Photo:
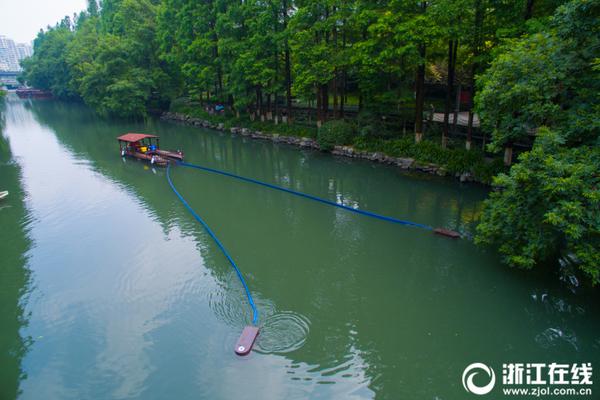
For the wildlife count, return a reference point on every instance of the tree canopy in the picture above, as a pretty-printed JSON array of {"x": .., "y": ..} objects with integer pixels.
[
  {"x": 533, "y": 66},
  {"x": 124, "y": 56},
  {"x": 547, "y": 83}
]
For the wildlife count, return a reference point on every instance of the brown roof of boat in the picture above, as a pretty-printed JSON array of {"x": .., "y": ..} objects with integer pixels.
[{"x": 134, "y": 137}]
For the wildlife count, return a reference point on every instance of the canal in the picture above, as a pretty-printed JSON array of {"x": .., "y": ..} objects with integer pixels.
[{"x": 110, "y": 289}]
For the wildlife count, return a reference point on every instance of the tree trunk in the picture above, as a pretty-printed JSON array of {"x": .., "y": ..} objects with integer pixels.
[
  {"x": 288, "y": 67},
  {"x": 343, "y": 77},
  {"x": 420, "y": 87},
  {"x": 508, "y": 153},
  {"x": 335, "y": 71},
  {"x": 335, "y": 97},
  {"x": 449, "y": 88},
  {"x": 215, "y": 54},
  {"x": 319, "y": 107},
  {"x": 469, "y": 141},
  {"x": 269, "y": 112},
  {"x": 257, "y": 101},
  {"x": 479, "y": 16},
  {"x": 420, "y": 95},
  {"x": 471, "y": 97},
  {"x": 529, "y": 10},
  {"x": 325, "y": 101},
  {"x": 343, "y": 94},
  {"x": 456, "y": 109}
]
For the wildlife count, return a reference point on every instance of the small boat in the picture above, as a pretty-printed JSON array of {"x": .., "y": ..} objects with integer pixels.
[
  {"x": 3, "y": 194},
  {"x": 30, "y": 93},
  {"x": 146, "y": 147}
]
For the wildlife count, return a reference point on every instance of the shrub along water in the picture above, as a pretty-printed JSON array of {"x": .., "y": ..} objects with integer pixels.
[
  {"x": 336, "y": 132},
  {"x": 362, "y": 135}
]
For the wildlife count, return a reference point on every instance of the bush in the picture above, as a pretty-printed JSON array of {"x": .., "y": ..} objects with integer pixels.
[
  {"x": 336, "y": 132},
  {"x": 456, "y": 161},
  {"x": 547, "y": 207},
  {"x": 370, "y": 125}
]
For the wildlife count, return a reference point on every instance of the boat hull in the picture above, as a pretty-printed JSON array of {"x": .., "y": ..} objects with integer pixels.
[
  {"x": 33, "y": 94},
  {"x": 170, "y": 154},
  {"x": 152, "y": 159}
]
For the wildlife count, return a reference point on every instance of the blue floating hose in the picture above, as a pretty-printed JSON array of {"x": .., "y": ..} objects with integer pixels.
[
  {"x": 211, "y": 233},
  {"x": 308, "y": 196}
]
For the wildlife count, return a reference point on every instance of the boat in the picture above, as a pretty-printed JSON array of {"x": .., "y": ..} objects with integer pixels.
[
  {"x": 29, "y": 93},
  {"x": 147, "y": 147},
  {"x": 3, "y": 194}
]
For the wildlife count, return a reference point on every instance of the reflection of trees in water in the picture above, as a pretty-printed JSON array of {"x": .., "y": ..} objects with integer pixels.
[
  {"x": 14, "y": 276},
  {"x": 334, "y": 276}
]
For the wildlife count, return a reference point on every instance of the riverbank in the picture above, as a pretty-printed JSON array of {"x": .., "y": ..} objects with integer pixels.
[{"x": 460, "y": 164}]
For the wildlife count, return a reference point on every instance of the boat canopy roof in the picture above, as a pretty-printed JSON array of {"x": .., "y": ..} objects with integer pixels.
[{"x": 135, "y": 137}]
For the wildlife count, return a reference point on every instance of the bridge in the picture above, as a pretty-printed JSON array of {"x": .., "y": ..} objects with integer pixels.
[{"x": 9, "y": 79}]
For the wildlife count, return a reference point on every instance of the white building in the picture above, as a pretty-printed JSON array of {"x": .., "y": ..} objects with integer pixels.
[{"x": 11, "y": 53}]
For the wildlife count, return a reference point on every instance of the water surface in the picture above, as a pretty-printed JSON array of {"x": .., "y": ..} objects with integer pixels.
[{"x": 110, "y": 289}]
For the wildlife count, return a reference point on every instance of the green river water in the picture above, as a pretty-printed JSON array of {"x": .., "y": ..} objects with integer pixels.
[{"x": 109, "y": 289}]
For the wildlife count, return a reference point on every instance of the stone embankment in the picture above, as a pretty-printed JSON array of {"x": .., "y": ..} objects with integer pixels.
[{"x": 345, "y": 151}]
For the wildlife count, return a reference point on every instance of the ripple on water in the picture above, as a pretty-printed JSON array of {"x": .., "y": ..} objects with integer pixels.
[
  {"x": 283, "y": 332},
  {"x": 553, "y": 337},
  {"x": 229, "y": 302},
  {"x": 229, "y": 307}
]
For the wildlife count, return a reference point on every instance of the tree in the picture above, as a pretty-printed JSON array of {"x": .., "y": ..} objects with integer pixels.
[
  {"x": 450, "y": 15},
  {"x": 47, "y": 68},
  {"x": 547, "y": 207},
  {"x": 390, "y": 54},
  {"x": 188, "y": 39},
  {"x": 546, "y": 78},
  {"x": 312, "y": 47},
  {"x": 114, "y": 62}
]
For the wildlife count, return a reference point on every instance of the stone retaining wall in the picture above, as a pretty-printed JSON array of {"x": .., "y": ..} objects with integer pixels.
[{"x": 344, "y": 151}]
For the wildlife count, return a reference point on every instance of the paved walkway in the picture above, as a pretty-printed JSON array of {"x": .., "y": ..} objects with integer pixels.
[{"x": 463, "y": 118}]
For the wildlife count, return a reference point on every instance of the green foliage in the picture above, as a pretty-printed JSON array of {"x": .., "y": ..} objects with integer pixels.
[
  {"x": 536, "y": 67},
  {"x": 546, "y": 79},
  {"x": 107, "y": 58},
  {"x": 455, "y": 161},
  {"x": 547, "y": 206},
  {"x": 125, "y": 56},
  {"x": 195, "y": 110},
  {"x": 47, "y": 69},
  {"x": 370, "y": 125},
  {"x": 336, "y": 132}
]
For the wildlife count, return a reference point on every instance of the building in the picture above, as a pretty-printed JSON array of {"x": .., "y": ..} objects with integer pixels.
[{"x": 11, "y": 53}]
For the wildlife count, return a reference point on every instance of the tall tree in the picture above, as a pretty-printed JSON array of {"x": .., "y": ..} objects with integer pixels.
[
  {"x": 47, "y": 68},
  {"x": 548, "y": 206}
]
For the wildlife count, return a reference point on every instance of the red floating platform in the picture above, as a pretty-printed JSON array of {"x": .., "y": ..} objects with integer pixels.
[
  {"x": 447, "y": 232},
  {"x": 246, "y": 340}
]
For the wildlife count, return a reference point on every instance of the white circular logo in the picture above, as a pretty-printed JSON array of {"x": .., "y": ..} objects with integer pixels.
[{"x": 469, "y": 374}]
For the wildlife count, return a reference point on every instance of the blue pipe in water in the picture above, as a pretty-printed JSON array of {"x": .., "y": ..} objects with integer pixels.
[
  {"x": 309, "y": 196},
  {"x": 223, "y": 249}
]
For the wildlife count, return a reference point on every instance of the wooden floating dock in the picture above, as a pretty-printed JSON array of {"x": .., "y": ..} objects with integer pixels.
[
  {"x": 246, "y": 341},
  {"x": 446, "y": 232}
]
